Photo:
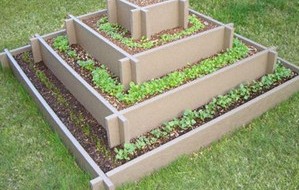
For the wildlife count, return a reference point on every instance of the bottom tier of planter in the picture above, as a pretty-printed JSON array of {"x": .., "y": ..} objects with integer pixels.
[{"x": 87, "y": 140}]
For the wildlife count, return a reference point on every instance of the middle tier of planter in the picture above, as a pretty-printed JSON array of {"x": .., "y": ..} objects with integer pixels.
[
  {"x": 121, "y": 126},
  {"x": 151, "y": 63}
]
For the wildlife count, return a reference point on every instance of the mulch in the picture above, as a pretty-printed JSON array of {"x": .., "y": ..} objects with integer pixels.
[{"x": 105, "y": 160}]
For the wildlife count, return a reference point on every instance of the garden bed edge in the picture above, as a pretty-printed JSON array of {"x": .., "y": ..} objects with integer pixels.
[{"x": 81, "y": 156}]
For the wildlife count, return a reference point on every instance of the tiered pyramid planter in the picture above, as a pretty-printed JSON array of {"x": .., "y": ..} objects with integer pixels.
[{"x": 123, "y": 125}]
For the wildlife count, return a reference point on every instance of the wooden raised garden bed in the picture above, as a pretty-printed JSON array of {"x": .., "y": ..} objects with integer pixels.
[{"x": 129, "y": 125}]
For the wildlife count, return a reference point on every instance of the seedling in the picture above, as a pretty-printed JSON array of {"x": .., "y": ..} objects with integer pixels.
[
  {"x": 61, "y": 43},
  {"x": 88, "y": 64}
]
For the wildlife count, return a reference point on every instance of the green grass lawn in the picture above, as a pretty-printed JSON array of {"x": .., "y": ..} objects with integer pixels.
[{"x": 264, "y": 155}]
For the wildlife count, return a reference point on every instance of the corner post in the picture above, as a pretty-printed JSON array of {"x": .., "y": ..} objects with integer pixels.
[
  {"x": 183, "y": 13},
  {"x": 135, "y": 23},
  {"x": 125, "y": 71},
  {"x": 112, "y": 11},
  {"x": 134, "y": 71},
  {"x": 4, "y": 61},
  {"x": 124, "y": 129},
  {"x": 272, "y": 59},
  {"x": 70, "y": 30},
  {"x": 145, "y": 25},
  {"x": 36, "y": 51},
  {"x": 99, "y": 183},
  {"x": 96, "y": 184},
  {"x": 228, "y": 36}
]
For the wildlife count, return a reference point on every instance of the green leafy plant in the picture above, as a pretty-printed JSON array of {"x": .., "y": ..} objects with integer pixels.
[
  {"x": 123, "y": 154},
  {"x": 72, "y": 53},
  {"x": 103, "y": 79},
  {"x": 196, "y": 25},
  {"x": 224, "y": 101},
  {"x": 88, "y": 64},
  {"x": 141, "y": 143},
  {"x": 61, "y": 43},
  {"x": 158, "y": 133}
]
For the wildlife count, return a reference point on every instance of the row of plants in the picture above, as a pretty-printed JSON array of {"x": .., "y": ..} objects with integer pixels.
[
  {"x": 76, "y": 117},
  {"x": 103, "y": 79},
  {"x": 191, "y": 118},
  {"x": 117, "y": 32}
]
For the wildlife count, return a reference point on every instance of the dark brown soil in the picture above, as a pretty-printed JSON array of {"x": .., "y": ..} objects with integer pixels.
[
  {"x": 83, "y": 55},
  {"x": 102, "y": 155},
  {"x": 92, "y": 22},
  {"x": 143, "y": 3}
]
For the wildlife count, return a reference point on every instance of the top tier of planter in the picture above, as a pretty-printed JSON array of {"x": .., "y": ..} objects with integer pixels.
[{"x": 148, "y": 20}]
